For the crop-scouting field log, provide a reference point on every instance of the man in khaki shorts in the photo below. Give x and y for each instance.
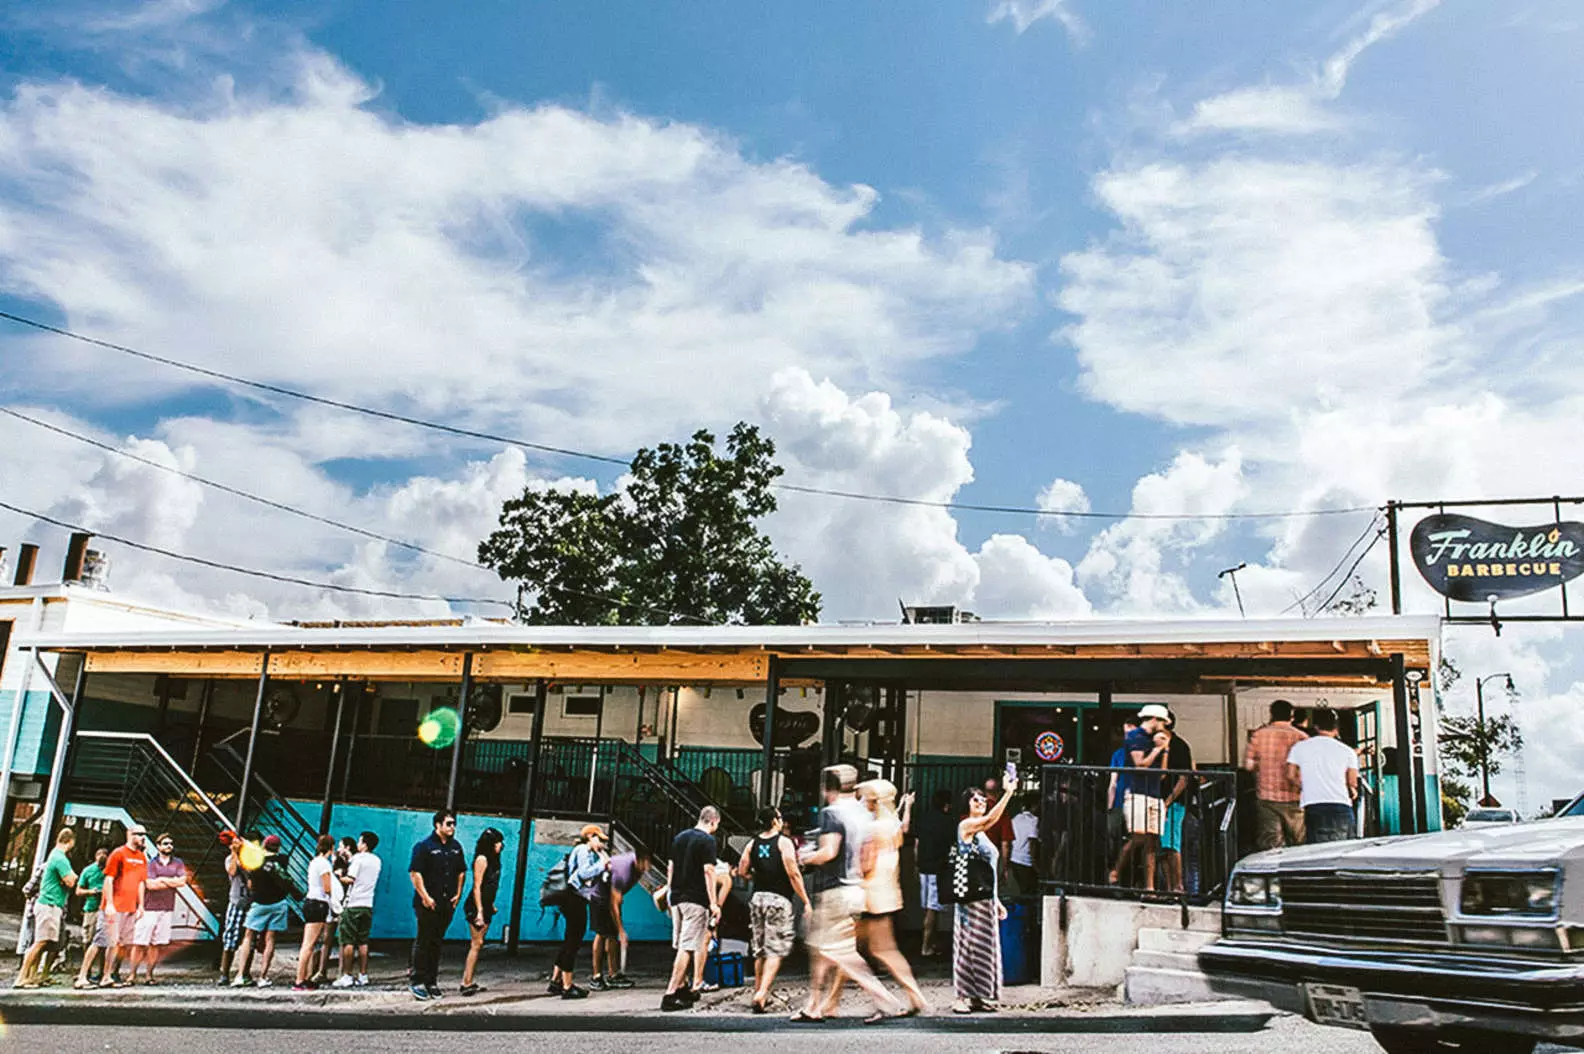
(49, 909)
(692, 894)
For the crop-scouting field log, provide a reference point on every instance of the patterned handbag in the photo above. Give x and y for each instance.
(969, 876)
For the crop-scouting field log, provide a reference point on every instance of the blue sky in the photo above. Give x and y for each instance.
(1211, 258)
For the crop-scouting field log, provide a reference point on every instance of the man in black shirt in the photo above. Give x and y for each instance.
(936, 829)
(437, 869)
(690, 879)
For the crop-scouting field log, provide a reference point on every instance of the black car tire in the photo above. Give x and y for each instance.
(1423, 1041)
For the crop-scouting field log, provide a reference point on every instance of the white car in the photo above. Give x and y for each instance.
(1479, 817)
(1470, 939)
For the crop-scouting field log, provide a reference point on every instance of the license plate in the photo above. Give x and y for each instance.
(1331, 1004)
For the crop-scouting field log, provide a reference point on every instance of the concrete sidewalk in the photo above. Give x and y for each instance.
(514, 998)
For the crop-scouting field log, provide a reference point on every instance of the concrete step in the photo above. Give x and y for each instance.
(1186, 942)
(1185, 961)
(1154, 986)
(1170, 917)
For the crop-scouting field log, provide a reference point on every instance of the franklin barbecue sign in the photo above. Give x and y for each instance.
(1468, 559)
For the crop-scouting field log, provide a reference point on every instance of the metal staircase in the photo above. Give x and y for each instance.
(646, 804)
(269, 812)
(131, 772)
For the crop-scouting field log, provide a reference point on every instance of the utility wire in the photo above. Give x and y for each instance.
(1347, 576)
(1345, 557)
(418, 422)
(267, 502)
(270, 575)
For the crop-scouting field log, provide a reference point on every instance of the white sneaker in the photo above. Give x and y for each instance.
(265, 982)
(241, 981)
(362, 980)
(344, 981)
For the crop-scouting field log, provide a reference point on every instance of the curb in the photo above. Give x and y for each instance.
(144, 1015)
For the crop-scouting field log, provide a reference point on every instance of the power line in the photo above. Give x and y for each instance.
(468, 433)
(253, 572)
(1322, 583)
(305, 514)
(226, 488)
(1031, 511)
(1347, 576)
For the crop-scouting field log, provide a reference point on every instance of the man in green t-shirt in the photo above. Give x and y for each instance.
(49, 910)
(90, 886)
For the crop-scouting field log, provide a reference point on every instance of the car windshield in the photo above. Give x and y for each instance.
(1489, 816)
(1576, 809)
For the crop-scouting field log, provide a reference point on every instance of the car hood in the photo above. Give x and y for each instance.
(1498, 845)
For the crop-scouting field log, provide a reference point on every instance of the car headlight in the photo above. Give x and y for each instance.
(1523, 894)
(1254, 889)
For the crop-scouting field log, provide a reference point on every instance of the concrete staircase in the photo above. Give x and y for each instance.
(1165, 967)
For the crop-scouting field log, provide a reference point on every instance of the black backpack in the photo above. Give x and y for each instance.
(557, 886)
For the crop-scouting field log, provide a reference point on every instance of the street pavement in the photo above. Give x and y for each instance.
(1285, 1033)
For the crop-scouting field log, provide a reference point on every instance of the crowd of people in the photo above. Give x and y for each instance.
(842, 879)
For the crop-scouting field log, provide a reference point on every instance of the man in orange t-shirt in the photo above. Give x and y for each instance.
(125, 873)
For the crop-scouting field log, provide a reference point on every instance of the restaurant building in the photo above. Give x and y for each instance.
(111, 711)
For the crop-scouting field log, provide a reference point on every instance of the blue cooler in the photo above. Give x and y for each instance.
(724, 969)
(1020, 942)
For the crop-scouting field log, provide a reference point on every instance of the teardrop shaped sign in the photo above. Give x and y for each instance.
(1469, 559)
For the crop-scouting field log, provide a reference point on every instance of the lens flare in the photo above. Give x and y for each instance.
(439, 728)
(251, 856)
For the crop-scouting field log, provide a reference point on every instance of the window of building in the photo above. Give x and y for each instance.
(520, 704)
(580, 706)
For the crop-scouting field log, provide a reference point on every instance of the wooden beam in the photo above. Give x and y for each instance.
(183, 663)
(671, 666)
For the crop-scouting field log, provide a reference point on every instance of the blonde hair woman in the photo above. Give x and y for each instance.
(882, 869)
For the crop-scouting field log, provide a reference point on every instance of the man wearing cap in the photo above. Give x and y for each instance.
(270, 887)
(437, 869)
(125, 873)
(1143, 806)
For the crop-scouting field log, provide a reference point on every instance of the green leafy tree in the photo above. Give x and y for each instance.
(1470, 747)
(679, 542)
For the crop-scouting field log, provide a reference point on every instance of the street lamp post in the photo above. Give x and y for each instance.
(1484, 740)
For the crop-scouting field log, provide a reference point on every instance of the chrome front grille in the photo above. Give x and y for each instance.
(1364, 906)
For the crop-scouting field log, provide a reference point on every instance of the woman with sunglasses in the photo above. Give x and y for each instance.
(976, 938)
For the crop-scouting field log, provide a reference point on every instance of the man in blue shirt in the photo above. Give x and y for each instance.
(1143, 808)
(437, 870)
(1116, 819)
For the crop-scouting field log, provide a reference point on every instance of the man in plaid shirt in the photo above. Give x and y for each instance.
(1279, 818)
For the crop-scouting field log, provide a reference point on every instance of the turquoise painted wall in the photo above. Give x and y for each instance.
(40, 725)
(400, 829)
(1390, 822)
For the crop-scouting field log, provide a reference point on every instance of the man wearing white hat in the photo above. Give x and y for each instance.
(1143, 803)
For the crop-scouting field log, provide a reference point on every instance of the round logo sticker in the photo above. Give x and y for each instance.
(1049, 746)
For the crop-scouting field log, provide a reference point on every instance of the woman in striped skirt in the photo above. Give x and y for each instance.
(976, 938)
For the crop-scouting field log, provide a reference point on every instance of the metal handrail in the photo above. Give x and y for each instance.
(272, 792)
(148, 740)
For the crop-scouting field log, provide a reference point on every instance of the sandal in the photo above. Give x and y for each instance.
(803, 1017)
(80, 983)
(962, 1008)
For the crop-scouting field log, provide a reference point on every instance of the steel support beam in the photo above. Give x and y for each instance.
(1406, 791)
(328, 804)
(767, 762)
(461, 731)
(525, 825)
(253, 734)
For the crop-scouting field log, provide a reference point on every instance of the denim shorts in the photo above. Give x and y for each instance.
(270, 917)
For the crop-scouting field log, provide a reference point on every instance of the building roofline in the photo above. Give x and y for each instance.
(246, 636)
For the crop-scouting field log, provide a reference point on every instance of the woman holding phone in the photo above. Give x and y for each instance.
(976, 939)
